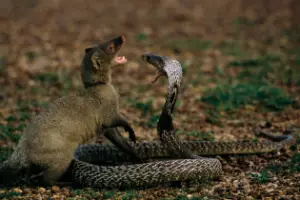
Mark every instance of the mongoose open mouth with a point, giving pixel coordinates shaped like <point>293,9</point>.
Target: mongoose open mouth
<point>120,42</point>
<point>120,59</point>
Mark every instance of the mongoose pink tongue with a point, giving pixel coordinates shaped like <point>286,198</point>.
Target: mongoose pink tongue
<point>120,59</point>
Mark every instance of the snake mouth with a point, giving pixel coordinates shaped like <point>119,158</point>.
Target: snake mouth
<point>156,62</point>
<point>158,75</point>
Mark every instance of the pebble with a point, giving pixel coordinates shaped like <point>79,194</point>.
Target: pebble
<point>18,190</point>
<point>268,198</point>
<point>227,168</point>
<point>55,189</point>
<point>56,196</point>
<point>65,191</point>
<point>41,190</point>
<point>27,191</point>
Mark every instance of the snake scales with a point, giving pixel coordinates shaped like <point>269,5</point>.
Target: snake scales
<point>105,166</point>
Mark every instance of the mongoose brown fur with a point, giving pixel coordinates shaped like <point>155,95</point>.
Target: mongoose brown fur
<point>49,141</point>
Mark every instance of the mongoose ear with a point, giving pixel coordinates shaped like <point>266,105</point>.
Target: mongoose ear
<point>88,49</point>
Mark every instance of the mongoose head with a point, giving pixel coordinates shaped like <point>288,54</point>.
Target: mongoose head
<point>165,67</point>
<point>98,60</point>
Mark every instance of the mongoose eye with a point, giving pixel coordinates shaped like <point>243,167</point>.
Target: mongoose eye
<point>111,48</point>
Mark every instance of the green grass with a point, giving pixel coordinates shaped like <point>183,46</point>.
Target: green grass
<point>153,120</point>
<point>244,21</point>
<point>5,153</point>
<point>189,44</point>
<point>261,177</point>
<point>141,37</point>
<point>184,197</point>
<point>2,64</point>
<point>88,193</point>
<point>145,107</point>
<point>203,136</point>
<point>48,78</point>
<point>295,163</point>
<point>246,63</point>
<point>9,195</point>
<point>266,59</point>
<point>213,117</point>
<point>108,194</point>
<point>62,80</point>
<point>25,106</point>
<point>130,195</point>
<point>292,166</point>
<point>232,48</point>
<point>255,84</point>
<point>270,67</point>
<point>7,132</point>
<point>289,76</point>
<point>232,96</point>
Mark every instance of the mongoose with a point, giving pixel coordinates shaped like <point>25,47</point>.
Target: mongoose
<point>49,141</point>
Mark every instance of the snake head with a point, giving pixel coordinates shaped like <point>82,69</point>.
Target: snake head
<point>165,67</point>
<point>154,60</point>
<point>158,62</point>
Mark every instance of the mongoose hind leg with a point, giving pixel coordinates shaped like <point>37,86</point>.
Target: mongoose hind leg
<point>52,175</point>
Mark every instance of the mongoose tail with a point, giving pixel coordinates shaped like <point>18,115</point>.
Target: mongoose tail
<point>12,168</point>
<point>171,69</point>
<point>8,173</point>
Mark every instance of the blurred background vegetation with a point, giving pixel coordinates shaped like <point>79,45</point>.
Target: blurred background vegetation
<point>241,62</point>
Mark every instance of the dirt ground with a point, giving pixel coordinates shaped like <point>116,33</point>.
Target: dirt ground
<point>241,64</point>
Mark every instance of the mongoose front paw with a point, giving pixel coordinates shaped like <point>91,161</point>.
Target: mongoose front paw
<point>131,133</point>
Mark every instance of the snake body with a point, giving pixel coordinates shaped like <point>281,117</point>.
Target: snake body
<point>105,166</point>
<point>116,170</point>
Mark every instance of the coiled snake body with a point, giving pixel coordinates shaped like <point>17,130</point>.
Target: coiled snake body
<point>104,166</point>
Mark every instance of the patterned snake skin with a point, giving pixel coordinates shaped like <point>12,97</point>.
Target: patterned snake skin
<point>116,170</point>
<point>105,166</point>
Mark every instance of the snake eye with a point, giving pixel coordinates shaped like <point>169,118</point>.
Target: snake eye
<point>145,57</point>
<point>149,58</point>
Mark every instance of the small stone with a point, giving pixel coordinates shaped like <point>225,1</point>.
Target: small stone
<point>55,189</point>
<point>65,191</point>
<point>38,197</point>
<point>3,191</point>
<point>27,191</point>
<point>41,190</point>
<point>189,196</point>
<point>18,190</point>
<point>227,168</point>
<point>56,196</point>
